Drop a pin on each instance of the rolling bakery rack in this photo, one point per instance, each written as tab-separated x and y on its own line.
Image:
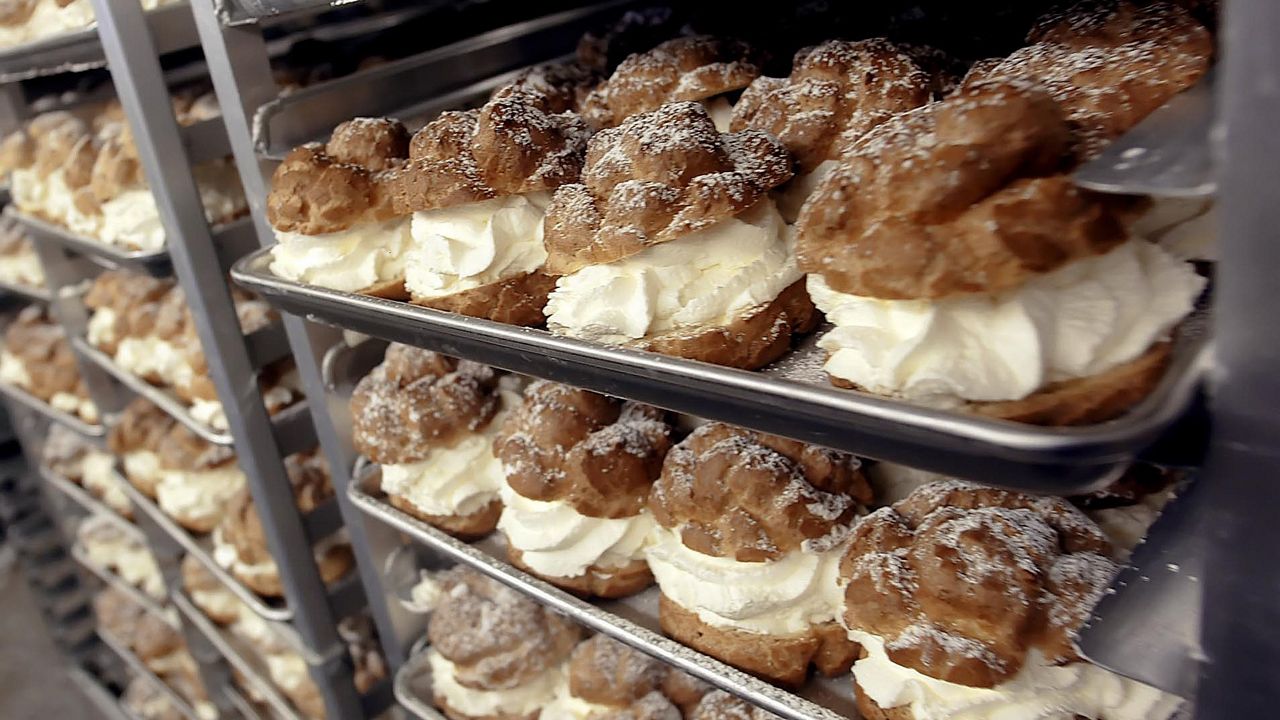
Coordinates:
131	43
1195	612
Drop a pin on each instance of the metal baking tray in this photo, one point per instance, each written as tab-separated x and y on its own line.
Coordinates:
292	424
140	668
790	398
413	687
239	656
410	86
172	27
241	704
135	594
86	500
633	620
40	407
233	240
30	292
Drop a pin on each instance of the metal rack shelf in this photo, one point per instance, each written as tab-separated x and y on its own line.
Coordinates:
790	398
140	668
30	292
102	700
81	50
47	411
78	495
232	241
633	620
148	603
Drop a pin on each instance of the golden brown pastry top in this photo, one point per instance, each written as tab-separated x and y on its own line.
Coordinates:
962	581
142	426
329	188
495	637
720	705
182	449
599	454
40	345
417	400
606	672
684	69
136	300
961	196
521	141
196	578
1109	63
835	88
564	85
749	496
656	177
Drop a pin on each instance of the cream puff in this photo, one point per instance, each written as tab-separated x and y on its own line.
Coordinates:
966	601
750	530
136	439
240	546
1012	294
701	69
671	244
330	206
55	184
110	547
579	467
197	479
494	654
477	186
37	358
608	679
209	595
430	421
720	705
68	454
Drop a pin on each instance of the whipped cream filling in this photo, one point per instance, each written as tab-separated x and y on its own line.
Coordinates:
135	565
460	248
22	269
792	196
567	706
288	670
131	219
1038	691
152	356
1186	227
349	260
217	602
707	278
424	595
75	405
519	700
101	328
226	555
143	466
460	480
198	495
47	20
99	477
13	372
721	112
778	597
1082	319
557	541
27	188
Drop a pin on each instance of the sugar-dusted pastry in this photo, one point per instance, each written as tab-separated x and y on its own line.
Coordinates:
37	358
430	421
671	243
240	546
110	547
208	594
70	455
136	439
720	705
1012	294
966	601
19	264
750	530
579	467
197	479
477	185
494	654
837	92
330	206
609	679
55	185
1109	63
700	69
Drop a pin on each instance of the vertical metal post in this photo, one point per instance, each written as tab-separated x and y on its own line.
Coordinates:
135	70
241	74
1241	623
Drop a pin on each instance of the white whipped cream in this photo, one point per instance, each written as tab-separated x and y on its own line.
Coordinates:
101	328
1186	227
459	480
152	356
1082	319
143	466
778	597
464	247
27	188
1038	691
218	602
99	476
47	20
1126	527
520	700
75	405
424	595
706	278
567	706
135	565
792	196
721	112
349	260
288	670
557	541
22	269
226	556
131	219
210	413
893	482
12	371
200	495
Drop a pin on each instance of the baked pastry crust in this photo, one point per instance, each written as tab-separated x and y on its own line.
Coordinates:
182	449
417	400
892	221
736	493
656	177
599	454
963	581
836	88
678	70
596	581
783	659
41	346
606	672
142	426
720	705
197	579
1109	63
517	300
313	193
